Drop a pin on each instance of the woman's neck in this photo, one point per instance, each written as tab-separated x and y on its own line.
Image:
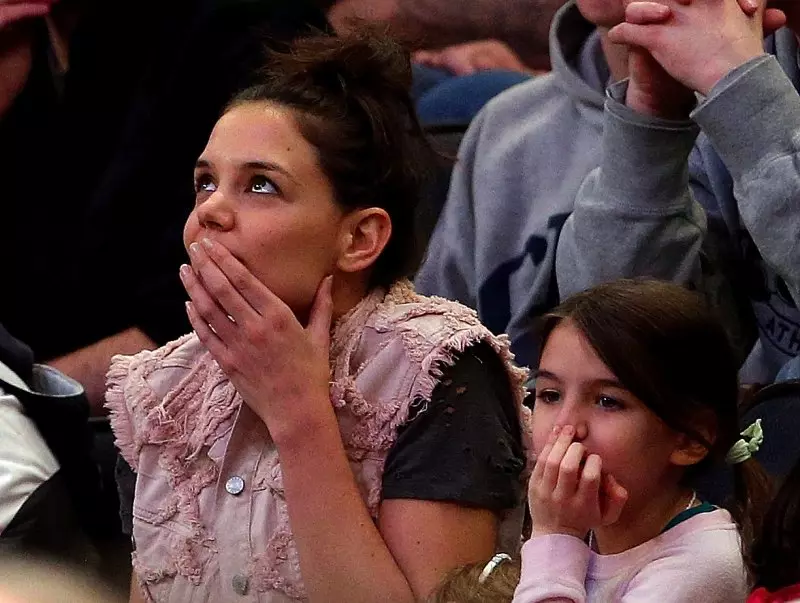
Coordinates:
348	291
638	525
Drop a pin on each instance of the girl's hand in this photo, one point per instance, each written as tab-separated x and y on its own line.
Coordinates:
280	368
569	496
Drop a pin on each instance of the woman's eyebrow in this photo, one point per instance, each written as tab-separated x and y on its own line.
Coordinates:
270	167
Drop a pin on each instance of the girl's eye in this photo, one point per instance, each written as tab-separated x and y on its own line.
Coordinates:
609	403
204	184
548	396
263	186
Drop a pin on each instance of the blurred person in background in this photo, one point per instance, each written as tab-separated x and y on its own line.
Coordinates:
467	52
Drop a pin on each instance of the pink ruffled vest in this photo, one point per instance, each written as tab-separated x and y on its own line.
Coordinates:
210	518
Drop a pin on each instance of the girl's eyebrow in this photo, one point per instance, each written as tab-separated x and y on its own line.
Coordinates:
545	374
553	377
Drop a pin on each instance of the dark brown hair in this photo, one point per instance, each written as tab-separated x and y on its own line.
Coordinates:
776	551
462	584
669	349
351	100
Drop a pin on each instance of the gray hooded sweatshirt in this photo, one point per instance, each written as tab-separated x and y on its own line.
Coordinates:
720	212
519	168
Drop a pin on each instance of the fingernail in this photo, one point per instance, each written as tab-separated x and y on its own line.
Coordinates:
194	248
207	243
568	430
185	270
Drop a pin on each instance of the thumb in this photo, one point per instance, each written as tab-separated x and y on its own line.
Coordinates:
319	320
616	497
773	20
630	34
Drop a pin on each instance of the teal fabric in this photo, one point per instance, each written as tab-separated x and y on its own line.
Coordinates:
689	513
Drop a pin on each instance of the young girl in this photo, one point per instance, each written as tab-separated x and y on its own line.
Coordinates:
636	393
280	459
485	582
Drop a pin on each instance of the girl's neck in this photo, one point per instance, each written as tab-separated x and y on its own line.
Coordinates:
638	525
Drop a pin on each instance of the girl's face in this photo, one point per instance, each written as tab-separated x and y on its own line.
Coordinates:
261	193
574	387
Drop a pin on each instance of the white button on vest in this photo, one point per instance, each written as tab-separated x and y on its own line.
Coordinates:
240	584
234	485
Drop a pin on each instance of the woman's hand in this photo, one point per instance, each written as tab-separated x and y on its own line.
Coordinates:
280	368
568	493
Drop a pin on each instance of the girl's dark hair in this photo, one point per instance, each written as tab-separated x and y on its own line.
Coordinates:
350	97
669	349
462	585
776	551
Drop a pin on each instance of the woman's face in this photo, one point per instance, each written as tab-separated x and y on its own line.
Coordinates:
261	193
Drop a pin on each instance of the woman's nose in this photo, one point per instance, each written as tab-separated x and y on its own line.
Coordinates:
216	213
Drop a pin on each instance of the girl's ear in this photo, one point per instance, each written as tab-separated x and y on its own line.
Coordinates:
689	451
364	235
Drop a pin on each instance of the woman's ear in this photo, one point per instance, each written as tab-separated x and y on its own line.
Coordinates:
365	234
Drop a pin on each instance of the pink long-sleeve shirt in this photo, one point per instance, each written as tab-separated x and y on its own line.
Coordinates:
699	559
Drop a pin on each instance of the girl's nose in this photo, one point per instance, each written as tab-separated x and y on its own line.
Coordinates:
572	414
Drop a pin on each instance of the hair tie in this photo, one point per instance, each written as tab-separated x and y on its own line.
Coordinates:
743	449
492	565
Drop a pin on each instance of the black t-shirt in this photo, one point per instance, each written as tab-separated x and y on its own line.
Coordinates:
97	166
464	445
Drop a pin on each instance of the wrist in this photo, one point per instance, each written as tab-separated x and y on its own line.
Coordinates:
717	71
312	419
678	105
562	530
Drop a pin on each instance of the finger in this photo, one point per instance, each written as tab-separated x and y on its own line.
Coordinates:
11	13
458	63
590	481
631	34
570	471
773	20
319	321
485	63
552	464
749	7
616	496
206	306
645	13
236	289
538	468
425	57
204	333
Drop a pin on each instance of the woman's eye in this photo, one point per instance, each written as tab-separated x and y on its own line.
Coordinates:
609	403
204	184
263	185
548	396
